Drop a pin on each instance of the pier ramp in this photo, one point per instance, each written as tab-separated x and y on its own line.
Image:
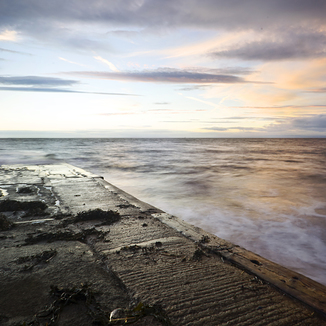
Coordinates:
76	250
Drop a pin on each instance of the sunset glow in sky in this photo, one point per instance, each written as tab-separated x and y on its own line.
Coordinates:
172	68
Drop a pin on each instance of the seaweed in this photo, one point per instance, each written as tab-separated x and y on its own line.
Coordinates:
61	216
83	295
204	239
3	318
64	236
26	190
132	248
31	207
136	248
66	296
198	254
5	224
107	217
125	205
43	257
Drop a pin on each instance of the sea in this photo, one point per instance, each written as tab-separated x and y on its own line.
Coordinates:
266	195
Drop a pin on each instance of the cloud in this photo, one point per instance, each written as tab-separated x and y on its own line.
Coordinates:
165	75
17	52
317	90
176	121
280	46
131	17
194	87
305	126
38	89
72	62
312	123
110	64
246	118
108	114
77	39
201	101
57	90
169	111
45	84
216	129
295	107
231	120
8	36
36	81
222	71
205	13
233	128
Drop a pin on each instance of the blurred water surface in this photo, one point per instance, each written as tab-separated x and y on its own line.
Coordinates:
267	195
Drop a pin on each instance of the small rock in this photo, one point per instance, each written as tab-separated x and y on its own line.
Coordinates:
118	313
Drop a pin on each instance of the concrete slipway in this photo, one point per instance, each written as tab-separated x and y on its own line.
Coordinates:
67	259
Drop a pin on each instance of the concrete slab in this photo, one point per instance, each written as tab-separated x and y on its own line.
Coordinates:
62	266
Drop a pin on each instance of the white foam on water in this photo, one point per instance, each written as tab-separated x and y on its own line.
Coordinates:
265	195
288	235
290	240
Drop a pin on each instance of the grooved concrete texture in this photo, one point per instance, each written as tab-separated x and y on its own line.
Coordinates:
147	256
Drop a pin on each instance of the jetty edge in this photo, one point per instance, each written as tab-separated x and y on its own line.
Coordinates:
74	248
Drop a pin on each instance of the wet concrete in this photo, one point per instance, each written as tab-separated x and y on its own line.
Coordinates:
74	248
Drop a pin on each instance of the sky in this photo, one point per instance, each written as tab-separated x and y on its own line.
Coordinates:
154	68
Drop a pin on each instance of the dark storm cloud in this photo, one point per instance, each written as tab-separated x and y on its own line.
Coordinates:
36	81
164	75
290	45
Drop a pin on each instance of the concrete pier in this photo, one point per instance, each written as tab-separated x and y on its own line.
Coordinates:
76	250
